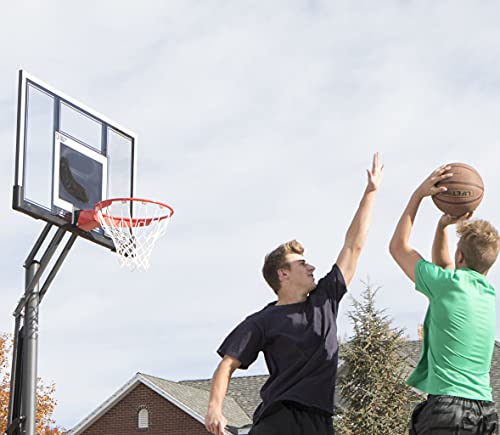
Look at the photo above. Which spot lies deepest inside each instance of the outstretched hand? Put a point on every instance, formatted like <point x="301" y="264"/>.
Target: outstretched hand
<point x="375" y="174"/>
<point x="428" y="186"/>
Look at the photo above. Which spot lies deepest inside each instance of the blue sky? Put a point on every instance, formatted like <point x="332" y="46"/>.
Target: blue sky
<point x="256" y="121"/>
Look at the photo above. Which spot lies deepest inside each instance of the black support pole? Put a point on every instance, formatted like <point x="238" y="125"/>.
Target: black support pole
<point x="30" y="357"/>
<point x="21" y="418"/>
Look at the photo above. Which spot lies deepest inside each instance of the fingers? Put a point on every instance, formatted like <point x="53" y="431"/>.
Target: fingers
<point x="212" y="427"/>
<point x="376" y="162"/>
<point x="438" y="189"/>
<point x="220" y="428"/>
<point x="441" y="173"/>
<point x="441" y="177"/>
<point x="442" y="169"/>
<point x="450" y="220"/>
<point x="438" y="175"/>
<point x="376" y="166"/>
<point x="465" y="216"/>
<point x="374" y="174"/>
<point x="216" y="426"/>
<point x="447" y="219"/>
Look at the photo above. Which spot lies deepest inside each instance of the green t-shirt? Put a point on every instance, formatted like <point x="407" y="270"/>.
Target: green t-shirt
<point x="459" y="332"/>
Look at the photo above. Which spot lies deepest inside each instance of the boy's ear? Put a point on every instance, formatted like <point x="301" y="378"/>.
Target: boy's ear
<point x="460" y="256"/>
<point x="283" y="274"/>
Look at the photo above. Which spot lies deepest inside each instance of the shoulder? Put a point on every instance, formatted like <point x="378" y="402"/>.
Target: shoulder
<point x="337" y="273"/>
<point x="334" y="276"/>
<point x="260" y="316"/>
<point x="473" y="278"/>
<point x="431" y="278"/>
<point x="332" y="285"/>
<point x="424" y="268"/>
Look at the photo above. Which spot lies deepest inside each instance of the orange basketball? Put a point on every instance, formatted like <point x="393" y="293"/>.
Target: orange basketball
<point x="465" y="190"/>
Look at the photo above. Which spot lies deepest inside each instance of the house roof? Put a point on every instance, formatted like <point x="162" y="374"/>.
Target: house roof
<point x="245" y="390"/>
<point x="196" y="400"/>
<point x="191" y="400"/>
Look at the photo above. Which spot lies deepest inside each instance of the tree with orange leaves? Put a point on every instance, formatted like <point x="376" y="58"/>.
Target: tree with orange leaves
<point x="45" y="400"/>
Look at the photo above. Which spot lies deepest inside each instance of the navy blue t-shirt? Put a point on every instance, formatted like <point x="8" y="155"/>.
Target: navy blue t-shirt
<point x="299" y="342"/>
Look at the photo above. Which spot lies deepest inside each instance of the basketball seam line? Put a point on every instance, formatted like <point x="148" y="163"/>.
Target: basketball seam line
<point x="461" y="182"/>
<point x="458" y="203"/>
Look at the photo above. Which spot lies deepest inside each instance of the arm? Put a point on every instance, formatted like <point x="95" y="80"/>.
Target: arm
<point x="214" y="420"/>
<point x="440" y="253"/>
<point x="400" y="249"/>
<point x="358" y="229"/>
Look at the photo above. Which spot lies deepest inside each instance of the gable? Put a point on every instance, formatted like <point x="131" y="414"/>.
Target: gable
<point x="164" y="416"/>
<point x="177" y="401"/>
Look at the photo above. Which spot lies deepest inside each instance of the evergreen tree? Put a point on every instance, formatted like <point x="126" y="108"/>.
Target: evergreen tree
<point x="375" y="399"/>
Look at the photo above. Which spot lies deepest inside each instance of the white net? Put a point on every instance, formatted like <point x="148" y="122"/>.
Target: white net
<point x="134" y="225"/>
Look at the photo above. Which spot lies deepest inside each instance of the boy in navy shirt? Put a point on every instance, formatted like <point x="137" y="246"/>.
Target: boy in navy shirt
<point x="297" y="334"/>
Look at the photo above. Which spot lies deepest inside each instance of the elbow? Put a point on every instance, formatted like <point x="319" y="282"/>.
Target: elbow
<point x="398" y="249"/>
<point x="394" y="247"/>
<point x="354" y="249"/>
<point x="391" y="248"/>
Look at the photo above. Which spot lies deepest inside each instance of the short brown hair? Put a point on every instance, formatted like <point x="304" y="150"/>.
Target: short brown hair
<point x="479" y="243"/>
<point x="276" y="260"/>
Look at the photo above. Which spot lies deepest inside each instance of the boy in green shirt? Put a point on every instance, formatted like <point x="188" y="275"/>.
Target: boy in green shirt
<point x="459" y="326"/>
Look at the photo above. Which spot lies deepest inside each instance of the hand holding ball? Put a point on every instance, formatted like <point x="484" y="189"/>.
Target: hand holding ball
<point x="464" y="192"/>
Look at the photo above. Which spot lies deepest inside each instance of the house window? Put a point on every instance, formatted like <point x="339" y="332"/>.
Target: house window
<point x="143" y="419"/>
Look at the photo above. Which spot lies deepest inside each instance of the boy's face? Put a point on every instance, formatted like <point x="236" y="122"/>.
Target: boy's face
<point x="301" y="273"/>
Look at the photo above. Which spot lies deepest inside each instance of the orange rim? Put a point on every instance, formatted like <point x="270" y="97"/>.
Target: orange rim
<point x="130" y="222"/>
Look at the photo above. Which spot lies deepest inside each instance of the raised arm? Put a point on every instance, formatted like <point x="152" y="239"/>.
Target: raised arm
<point x="358" y="229"/>
<point x="400" y="248"/>
<point x="215" y="422"/>
<point x="440" y="253"/>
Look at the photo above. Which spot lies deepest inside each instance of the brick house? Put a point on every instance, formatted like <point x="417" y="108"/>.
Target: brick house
<point x="152" y="406"/>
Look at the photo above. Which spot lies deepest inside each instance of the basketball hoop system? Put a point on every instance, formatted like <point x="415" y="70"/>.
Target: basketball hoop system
<point x="133" y="224"/>
<point x="61" y="189"/>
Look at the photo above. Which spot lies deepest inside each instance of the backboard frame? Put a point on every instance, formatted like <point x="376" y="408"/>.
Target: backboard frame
<point x="62" y="218"/>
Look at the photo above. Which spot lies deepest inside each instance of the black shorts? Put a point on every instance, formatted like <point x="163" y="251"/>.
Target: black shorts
<point x="448" y="415"/>
<point x="290" y="418"/>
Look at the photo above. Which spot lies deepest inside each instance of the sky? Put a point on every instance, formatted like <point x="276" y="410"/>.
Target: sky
<point x="256" y="122"/>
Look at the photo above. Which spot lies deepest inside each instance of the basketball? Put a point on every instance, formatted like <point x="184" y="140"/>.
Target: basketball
<point x="465" y="190"/>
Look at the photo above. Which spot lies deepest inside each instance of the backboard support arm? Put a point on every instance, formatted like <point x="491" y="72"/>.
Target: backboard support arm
<point x="22" y="396"/>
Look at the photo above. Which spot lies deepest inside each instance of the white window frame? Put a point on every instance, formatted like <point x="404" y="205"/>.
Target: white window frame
<point x="143" y="418"/>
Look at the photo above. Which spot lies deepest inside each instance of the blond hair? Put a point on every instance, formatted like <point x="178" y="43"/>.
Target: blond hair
<point x="276" y="260"/>
<point x="479" y="243"/>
